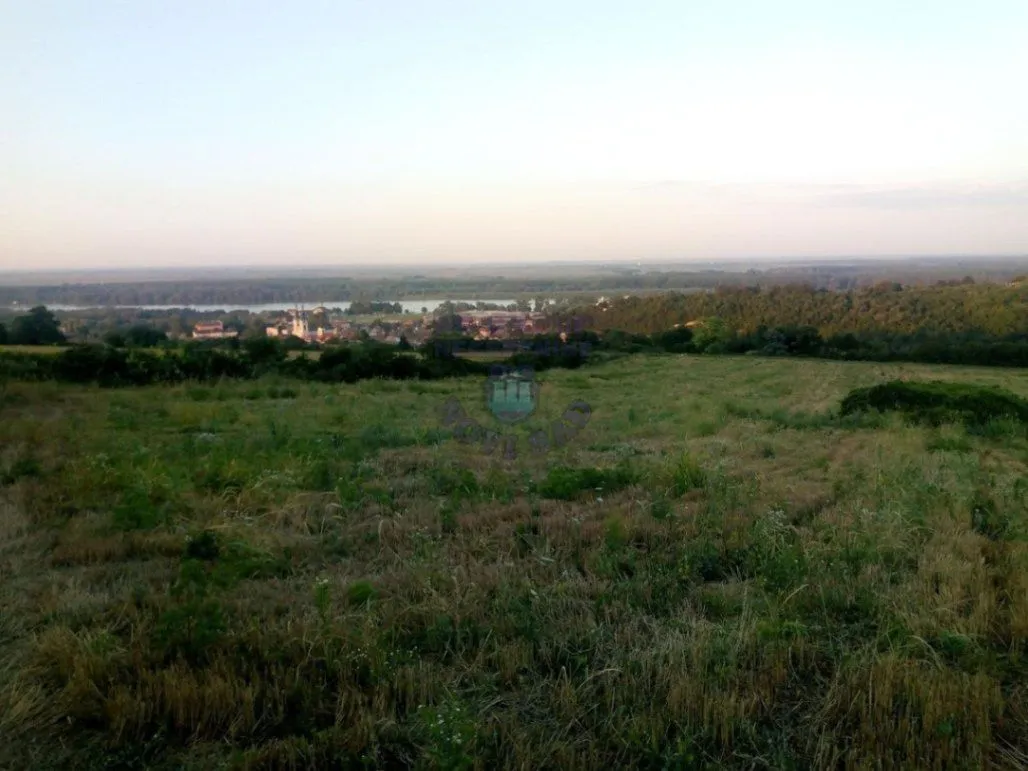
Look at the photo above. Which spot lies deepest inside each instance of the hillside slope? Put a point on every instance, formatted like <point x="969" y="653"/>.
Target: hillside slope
<point x="716" y="571"/>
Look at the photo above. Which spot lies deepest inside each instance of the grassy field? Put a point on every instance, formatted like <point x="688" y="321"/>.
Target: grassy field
<point x="716" y="572"/>
<point x="484" y="355"/>
<point x="54" y="349"/>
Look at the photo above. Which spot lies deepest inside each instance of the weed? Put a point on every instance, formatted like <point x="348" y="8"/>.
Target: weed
<point x="448" y="732"/>
<point x="323" y="599"/>
<point x="684" y="474"/>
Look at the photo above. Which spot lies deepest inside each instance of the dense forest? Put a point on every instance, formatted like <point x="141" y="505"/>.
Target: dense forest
<point x="963" y="307"/>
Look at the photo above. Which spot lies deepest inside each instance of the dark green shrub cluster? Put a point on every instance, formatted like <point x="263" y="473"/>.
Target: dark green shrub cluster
<point x="938" y="402"/>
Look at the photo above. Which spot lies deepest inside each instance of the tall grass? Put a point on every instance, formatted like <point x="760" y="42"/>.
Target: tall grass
<point x="705" y="577"/>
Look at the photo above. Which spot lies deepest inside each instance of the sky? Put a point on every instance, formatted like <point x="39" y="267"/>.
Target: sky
<point x="206" y="132"/>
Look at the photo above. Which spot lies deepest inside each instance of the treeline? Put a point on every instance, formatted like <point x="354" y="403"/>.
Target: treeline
<point x="111" y="366"/>
<point x="360" y="307"/>
<point x="990" y="309"/>
<point x="714" y="336"/>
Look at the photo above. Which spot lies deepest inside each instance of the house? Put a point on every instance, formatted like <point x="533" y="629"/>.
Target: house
<point x="212" y="330"/>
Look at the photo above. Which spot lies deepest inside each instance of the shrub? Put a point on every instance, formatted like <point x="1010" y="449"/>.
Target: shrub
<point x="937" y="402"/>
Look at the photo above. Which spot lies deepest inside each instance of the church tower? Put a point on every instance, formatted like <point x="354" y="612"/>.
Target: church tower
<point x="300" y="329"/>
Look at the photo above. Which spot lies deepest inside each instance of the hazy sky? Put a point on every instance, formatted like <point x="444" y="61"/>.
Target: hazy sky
<point x="206" y="131"/>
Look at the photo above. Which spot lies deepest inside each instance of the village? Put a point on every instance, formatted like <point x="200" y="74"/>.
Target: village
<point x="320" y="325"/>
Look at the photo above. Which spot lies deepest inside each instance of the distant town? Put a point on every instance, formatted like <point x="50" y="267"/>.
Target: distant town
<point x="322" y="325"/>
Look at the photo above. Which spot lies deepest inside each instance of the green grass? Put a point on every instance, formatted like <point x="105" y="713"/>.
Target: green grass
<point x="53" y="349"/>
<point x="718" y="571"/>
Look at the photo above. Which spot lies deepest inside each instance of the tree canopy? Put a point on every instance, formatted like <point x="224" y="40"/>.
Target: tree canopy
<point x="38" y="327"/>
<point x="992" y="309"/>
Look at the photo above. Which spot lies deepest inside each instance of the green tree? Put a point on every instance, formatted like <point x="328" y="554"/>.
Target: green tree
<point x="712" y="335"/>
<point x="38" y="327"/>
<point x="265" y="351"/>
<point x="115" y="339"/>
<point x="448" y="323"/>
<point x="144" y="336"/>
<point x="3" y="335"/>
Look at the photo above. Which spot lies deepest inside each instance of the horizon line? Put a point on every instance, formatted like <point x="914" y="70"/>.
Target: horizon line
<point x="421" y="267"/>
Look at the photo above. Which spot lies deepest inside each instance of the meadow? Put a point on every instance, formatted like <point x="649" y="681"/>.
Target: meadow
<point x="718" y="571"/>
<point x="51" y="350"/>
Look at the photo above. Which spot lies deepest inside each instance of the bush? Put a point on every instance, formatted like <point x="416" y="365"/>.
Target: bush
<point x="936" y="403"/>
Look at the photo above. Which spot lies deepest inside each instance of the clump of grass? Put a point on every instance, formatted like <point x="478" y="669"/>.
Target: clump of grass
<point x="320" y="473"/>
<point x="205" y="546"/>
<point x="142" y="509"/>
<point x="683" y="474"/>
<point x="660" y="507"/>
<point x="361" y="593"/>
<point x="281" y="392"/>
<point x="986" y="517"/>
<point x="948" y="442"/>
<point x="452" y="482"/>
<point x="226" y="478"/>
<point x="566" y="484"/>
<point x="24" y="467"/>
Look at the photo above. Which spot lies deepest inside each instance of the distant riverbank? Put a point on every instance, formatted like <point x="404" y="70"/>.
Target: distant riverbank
<point x="409" y="306"/>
